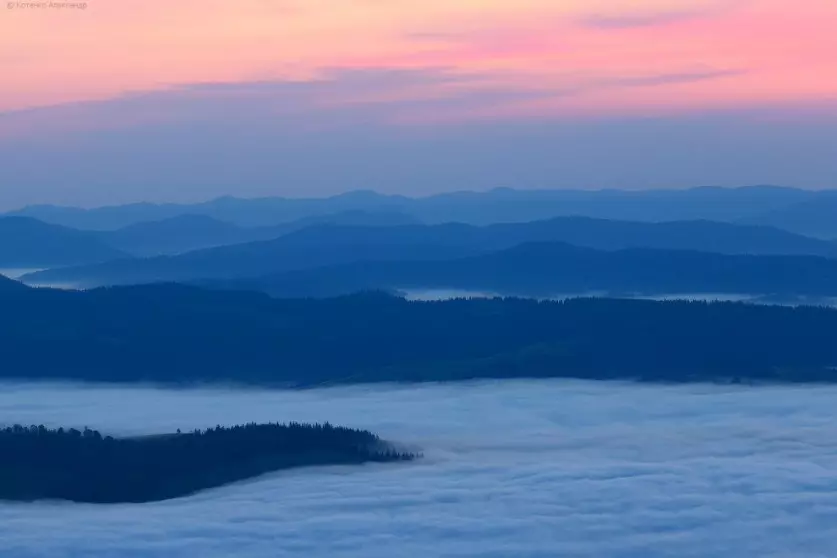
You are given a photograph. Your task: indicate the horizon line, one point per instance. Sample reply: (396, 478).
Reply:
(408, 197)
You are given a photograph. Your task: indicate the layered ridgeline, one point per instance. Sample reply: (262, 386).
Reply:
(494, 206)
(334, 245)
(83, 466)
(554, 269)
(186, 233)
(29, 243)
(815, 217)
(180, 334)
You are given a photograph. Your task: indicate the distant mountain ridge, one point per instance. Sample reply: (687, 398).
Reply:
(256, 212)
(548, 269)
(174, 235)
(186, 233)
(26, 242)
(29, 243)
(479, 208)
(815, 217)
(333, 245)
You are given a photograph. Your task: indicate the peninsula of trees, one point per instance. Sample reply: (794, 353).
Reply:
(84, 466)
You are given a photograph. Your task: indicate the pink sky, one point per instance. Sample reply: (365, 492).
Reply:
(189, 99)
(596, 56)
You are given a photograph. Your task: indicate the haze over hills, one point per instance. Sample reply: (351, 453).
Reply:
(177, 334)
(184, 233)
(332, 245)
(257, 212)
(481, 208)
(26, 242)
(816, 217)
(550, 269)
(174, 235)
(311, 247)
(29, 243)
(509, 205)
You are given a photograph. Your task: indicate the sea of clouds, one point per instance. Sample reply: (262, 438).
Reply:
(511, 469)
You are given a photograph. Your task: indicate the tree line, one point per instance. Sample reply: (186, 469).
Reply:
(180, 334)
(86, 466)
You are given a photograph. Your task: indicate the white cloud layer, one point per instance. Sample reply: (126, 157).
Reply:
(512, 469)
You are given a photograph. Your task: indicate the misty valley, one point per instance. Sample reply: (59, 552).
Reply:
(418, 279)
(363, 376)
(530, 467)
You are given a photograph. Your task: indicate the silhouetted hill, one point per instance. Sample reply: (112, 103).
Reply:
(29, 243)
(9, 285)
(549, 269)
(83, 466)
(481, 208)
(187, 233)
(175, 235)
(356, 217)
(816, 217)
(333, 245)
(174, 333)
(311, 247)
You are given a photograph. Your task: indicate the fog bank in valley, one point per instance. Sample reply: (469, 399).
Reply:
(524, 469)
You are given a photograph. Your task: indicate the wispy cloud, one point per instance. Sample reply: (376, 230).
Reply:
(673, 78)
(632, 20)
(338, 95)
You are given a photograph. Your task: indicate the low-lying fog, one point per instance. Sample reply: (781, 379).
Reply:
(447, 294)
(512, 469)
(16, 272)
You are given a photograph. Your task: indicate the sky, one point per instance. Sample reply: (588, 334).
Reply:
(107, 102)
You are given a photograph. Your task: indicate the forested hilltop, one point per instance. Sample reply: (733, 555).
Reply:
(85, 466)
(175, 334)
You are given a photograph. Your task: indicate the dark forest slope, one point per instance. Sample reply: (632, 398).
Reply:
(10, 286)
(172, 333)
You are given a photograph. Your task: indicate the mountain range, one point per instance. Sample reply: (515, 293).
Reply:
(29, 243)
(326, 245)
(185, 233)
(802, 211)
(814, 217)
(552, 269)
